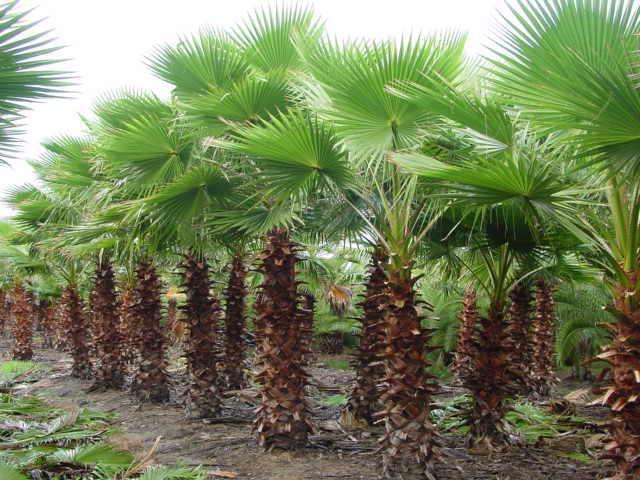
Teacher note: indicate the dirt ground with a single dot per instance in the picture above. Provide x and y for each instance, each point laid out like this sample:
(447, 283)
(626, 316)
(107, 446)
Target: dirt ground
(229, 444)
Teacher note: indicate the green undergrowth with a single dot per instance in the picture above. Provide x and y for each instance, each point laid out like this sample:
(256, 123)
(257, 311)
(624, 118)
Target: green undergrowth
(334, 400)
(12, 369)
(38, 440)
(530, 421)
(337, 364)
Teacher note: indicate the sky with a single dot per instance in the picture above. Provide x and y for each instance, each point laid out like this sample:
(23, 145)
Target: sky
(107, 41)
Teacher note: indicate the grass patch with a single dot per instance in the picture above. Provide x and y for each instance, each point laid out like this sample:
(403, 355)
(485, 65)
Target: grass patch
(334, 401)
(337, 364)
(578, 456)
(14, 368)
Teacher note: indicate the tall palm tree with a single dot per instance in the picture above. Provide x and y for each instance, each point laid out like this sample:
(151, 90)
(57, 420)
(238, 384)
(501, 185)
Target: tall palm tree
(348, 86)
(570, 67)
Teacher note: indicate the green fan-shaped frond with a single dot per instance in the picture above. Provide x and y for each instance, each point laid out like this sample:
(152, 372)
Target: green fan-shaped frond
(569, 64)
(296, 152)
(25, 72)
(268, 37)
(355, 78)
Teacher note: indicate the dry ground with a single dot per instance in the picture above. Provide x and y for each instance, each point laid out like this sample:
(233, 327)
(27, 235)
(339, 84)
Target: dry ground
(230, 446)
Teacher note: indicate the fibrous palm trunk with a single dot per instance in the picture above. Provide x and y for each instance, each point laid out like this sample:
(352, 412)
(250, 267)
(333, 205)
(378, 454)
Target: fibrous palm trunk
(203, 396)
(4, 310)
(305, 322)
(128, 328)
(463, 365)
(519, 323)
(49, 325)
(234, 348)
(61, 341)
(150, 380)
(76, 320)
(491, 382)
(110, 372)
(365, 397)
(23, 324)
(410, 442)
(281, 420)
(623, 396)
(542, 360)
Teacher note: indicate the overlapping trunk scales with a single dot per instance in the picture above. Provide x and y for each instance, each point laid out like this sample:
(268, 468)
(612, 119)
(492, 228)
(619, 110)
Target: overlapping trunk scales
(110, 369)
(518, 328)
(150, 380)
(542, 360)
(128, 328)
(4, 310)
(492, 381)
(23, 324)
(623, 396)
(305, 322)
(365, 397)
(75, 318)
(202, 395)
(410, 442)
(281, 420)
(234, 348)
(48, 324)
(463, 365)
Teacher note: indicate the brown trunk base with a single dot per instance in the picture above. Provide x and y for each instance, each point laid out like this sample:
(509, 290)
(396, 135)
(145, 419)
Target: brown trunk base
(365, 397)
(281, 419)
(410, 443)
(23, 326)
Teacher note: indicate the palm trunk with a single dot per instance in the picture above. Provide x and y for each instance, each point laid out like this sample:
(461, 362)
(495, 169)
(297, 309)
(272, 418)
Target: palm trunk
(49, 325)
(4, 311)
(111, 366)
(543, 340)
(150, 381)
(623, 397)
(23, 324)
(75, 318)
(128, 328)
(234, 349)
(305, 321)
(62, 342)
(410, 439)
(365, 397)
(463, 365)
(281, 420)
(203, 396)
(492, 381)
(519, 324)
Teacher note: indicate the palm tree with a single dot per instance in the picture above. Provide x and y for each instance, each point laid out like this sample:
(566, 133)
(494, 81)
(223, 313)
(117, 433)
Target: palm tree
(203, 397)
(26, 72)
(349, 87)
(23, 326)
(467, 337)
(364, 400)
(569, 66)
(235, 318)
(110, 368)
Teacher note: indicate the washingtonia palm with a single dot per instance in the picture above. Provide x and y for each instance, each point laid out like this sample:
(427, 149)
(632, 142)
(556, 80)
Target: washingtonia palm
(570, 67)
(349, 88)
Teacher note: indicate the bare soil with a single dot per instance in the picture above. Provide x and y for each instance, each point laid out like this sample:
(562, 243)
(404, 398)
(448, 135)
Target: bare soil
(228, 444)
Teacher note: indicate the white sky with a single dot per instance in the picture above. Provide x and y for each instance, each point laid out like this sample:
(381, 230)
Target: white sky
(107, 41)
